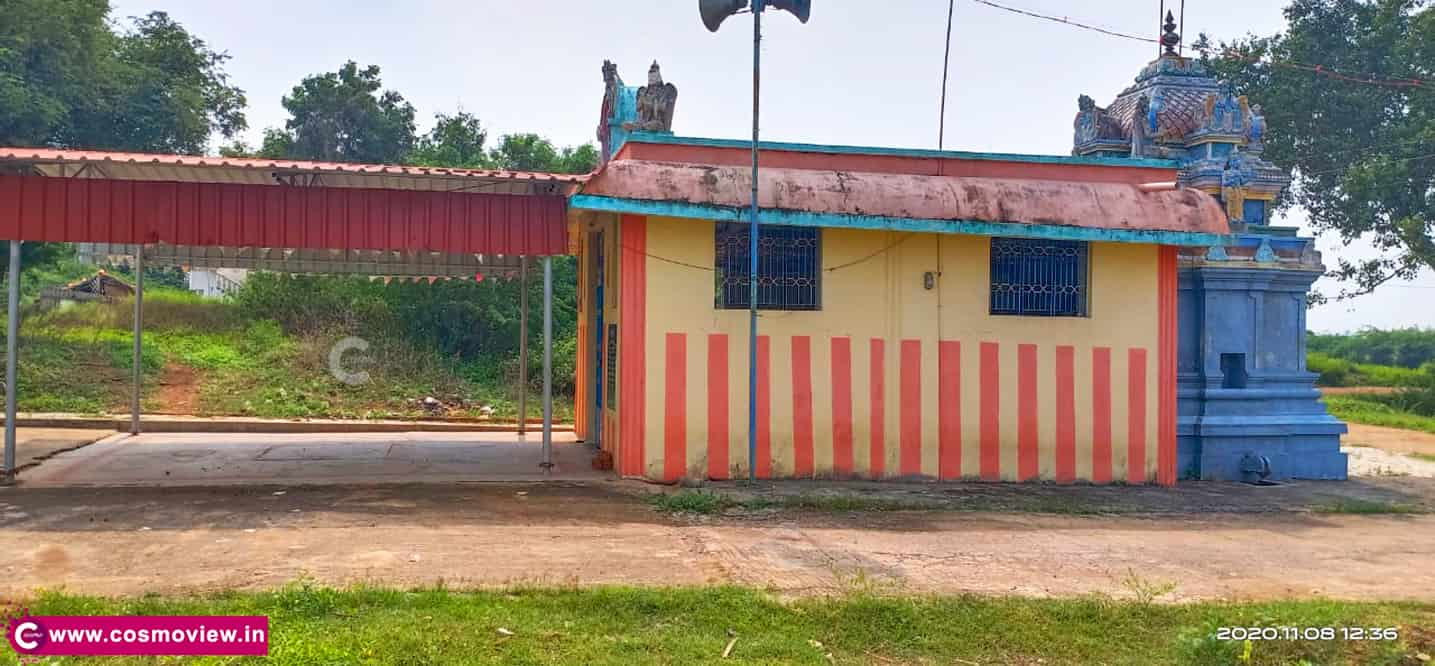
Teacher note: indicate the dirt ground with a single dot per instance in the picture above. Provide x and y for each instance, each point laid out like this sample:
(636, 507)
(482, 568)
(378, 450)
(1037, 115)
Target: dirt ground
(131, 541)
(1394, 440)
(178, 391)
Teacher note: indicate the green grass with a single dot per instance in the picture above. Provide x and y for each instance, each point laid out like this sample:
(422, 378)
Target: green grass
(1335, 371)
(79, 359)
(1427, 457)
(1366, 507)
(1371, 411)
(708, 502)
(615, 625)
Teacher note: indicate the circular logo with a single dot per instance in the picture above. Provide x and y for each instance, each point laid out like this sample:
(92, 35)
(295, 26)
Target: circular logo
(26, 635)
(336, 361)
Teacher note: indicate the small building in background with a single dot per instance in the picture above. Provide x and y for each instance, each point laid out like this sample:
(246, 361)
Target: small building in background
(98, 287)
(215, 282)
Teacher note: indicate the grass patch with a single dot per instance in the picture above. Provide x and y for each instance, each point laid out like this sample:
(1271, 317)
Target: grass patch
(1427, 457)
(1364, 409)
(707, 502)
(692, 501)
(1366, 507)
(617, 625)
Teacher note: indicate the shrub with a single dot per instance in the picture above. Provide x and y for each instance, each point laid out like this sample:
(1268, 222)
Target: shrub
(1406, 347)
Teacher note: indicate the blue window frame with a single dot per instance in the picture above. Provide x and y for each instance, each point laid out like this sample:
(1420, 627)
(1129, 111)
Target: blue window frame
(789, 267)
(1039, 278)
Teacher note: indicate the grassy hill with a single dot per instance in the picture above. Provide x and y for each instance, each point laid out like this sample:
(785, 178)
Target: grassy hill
(265, 350)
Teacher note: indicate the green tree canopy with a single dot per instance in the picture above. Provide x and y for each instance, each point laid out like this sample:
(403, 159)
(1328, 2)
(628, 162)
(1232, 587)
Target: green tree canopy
(344, 116)
(459, 140)
(1363, 151)
(531, 152)
(67, 79)
(455, 141)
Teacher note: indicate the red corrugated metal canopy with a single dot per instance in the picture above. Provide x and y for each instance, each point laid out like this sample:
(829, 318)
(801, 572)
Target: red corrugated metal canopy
(68, 196)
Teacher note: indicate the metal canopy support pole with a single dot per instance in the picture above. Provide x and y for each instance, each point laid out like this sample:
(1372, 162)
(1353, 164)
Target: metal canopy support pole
(12, 351)
(752, 250)
(547, 363)
(139, 349)
(523, 345)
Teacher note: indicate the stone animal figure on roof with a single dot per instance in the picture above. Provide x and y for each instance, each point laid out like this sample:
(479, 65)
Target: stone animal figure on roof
(655, 104)
(1093, 123)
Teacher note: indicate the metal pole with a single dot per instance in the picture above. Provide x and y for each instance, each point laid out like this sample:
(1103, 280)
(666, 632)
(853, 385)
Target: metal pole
(523, 345)
(12, 356)
(1160, 26)
(547, 362)
(139, 346)
(757, 7)
(946, 60)
(1181, 50)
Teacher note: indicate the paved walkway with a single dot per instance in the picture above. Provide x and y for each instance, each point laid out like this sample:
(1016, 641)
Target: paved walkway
(179, 423)
(33, 445)
(177, 459)
(131, 541)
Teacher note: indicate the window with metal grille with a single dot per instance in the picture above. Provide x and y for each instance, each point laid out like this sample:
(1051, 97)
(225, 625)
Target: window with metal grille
(1039, 278)
(611, 394)
(789, 272)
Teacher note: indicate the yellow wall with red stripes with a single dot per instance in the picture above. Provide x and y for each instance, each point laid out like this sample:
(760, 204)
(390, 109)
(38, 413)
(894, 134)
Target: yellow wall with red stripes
(923, 383)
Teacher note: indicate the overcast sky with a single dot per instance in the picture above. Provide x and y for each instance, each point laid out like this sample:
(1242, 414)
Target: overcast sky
(859, 73)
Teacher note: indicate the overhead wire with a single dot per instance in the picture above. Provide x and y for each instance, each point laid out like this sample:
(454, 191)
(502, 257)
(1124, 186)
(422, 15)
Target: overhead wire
(1319, 69)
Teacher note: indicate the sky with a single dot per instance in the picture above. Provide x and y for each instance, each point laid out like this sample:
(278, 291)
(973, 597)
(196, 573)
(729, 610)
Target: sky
(858, 73)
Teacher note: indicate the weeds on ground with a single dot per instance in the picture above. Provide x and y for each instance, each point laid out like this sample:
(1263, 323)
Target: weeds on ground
(1145, 591)
(1361, 506)
(708, 502)
(703, 502)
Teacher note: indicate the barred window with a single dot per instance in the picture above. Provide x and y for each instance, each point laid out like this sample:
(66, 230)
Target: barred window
(788, 267)
(1039, 278)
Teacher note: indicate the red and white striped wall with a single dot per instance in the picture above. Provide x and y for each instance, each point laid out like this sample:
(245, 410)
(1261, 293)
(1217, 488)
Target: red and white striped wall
(954, 394)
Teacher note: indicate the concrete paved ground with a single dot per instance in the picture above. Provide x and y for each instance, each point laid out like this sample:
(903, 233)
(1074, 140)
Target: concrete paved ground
(33, 445)
(174, 459)
(132, 541)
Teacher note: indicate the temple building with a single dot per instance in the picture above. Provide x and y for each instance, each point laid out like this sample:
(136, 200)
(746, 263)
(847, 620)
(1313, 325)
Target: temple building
(1248, 407)
(1124, 314)
(924, 314)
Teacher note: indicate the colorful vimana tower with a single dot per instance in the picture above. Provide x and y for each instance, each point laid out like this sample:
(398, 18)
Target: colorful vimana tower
(1248, 408)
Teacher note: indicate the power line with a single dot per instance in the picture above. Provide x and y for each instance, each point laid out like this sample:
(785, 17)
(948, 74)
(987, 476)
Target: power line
(946, 60)
(1322, 70)
(1346, 168)
(1361, 149)
(1069, 22)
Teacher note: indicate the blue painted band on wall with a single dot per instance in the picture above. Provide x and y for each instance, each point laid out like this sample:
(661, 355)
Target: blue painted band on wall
(883, 223)
(651, 137)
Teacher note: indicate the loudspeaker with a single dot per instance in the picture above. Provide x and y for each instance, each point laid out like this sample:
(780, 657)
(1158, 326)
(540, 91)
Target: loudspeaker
(716, 11)
(802, 9)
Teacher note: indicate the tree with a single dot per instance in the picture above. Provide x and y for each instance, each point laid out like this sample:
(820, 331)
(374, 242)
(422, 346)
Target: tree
(344, 116)
(163, 90)
(1361, 149)
(455, 141)
(530, 152)
(50, 52)
(68, 80)
(458, 141)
